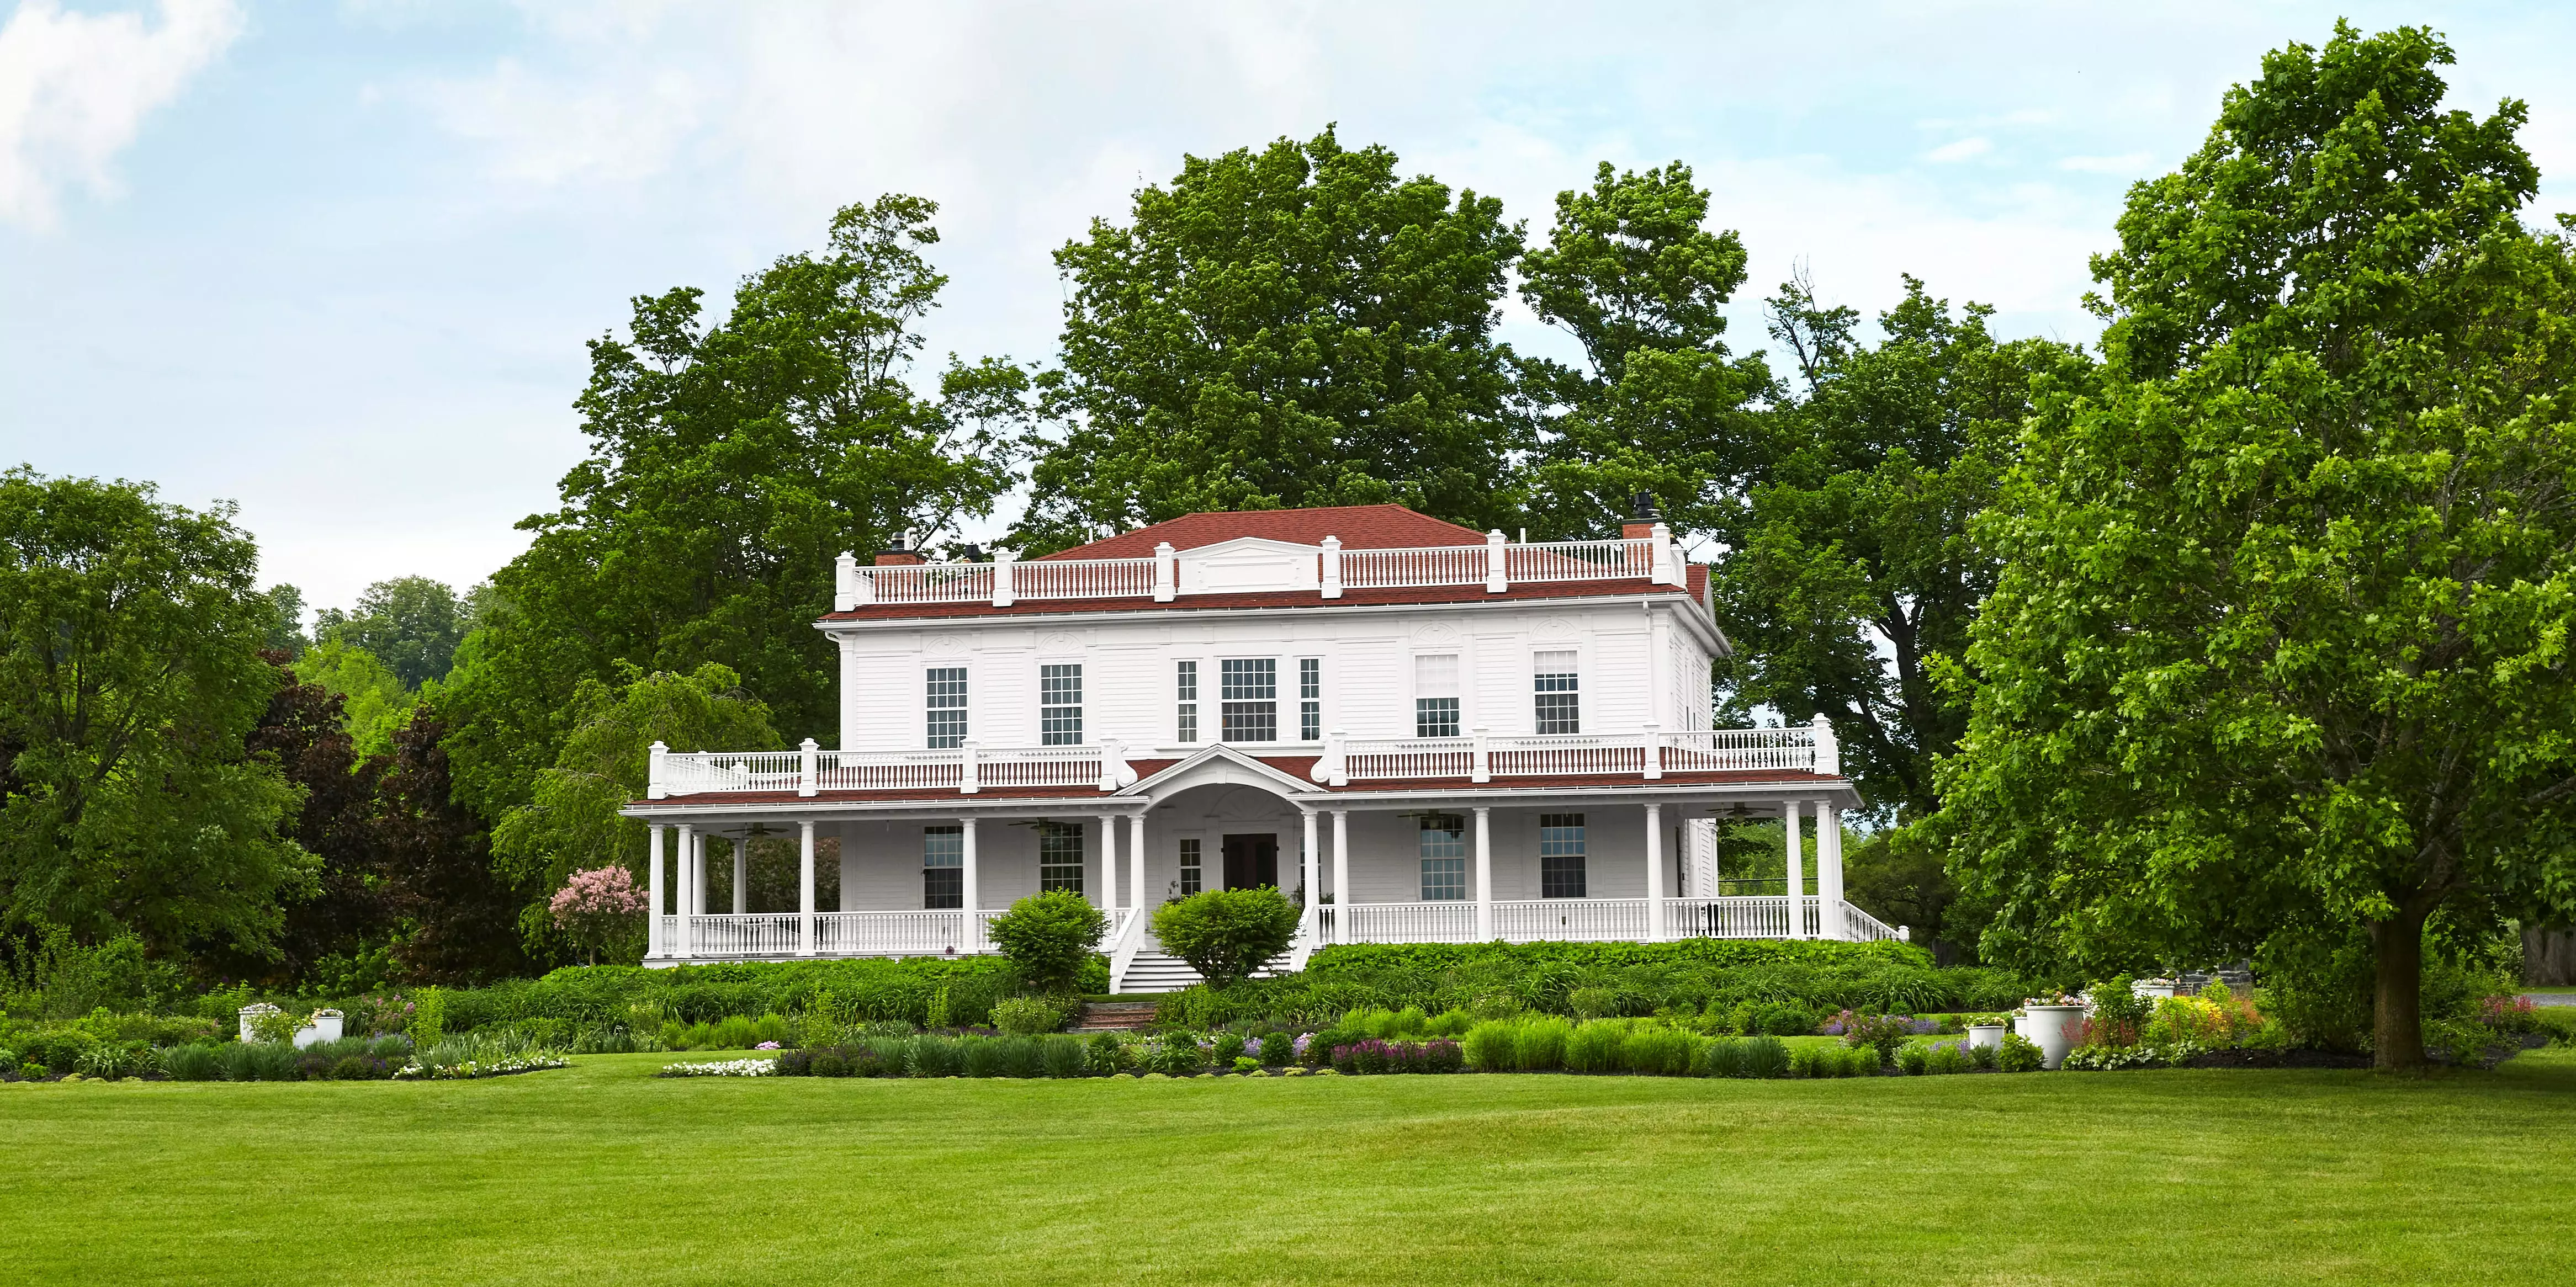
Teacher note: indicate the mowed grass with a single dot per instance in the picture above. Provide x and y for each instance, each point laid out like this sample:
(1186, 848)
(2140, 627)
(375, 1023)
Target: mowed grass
(602, 1175)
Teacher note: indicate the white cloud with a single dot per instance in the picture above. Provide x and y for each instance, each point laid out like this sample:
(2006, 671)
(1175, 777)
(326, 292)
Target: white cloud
(2136, 163)
(1962, 150)
(74, 90)
(545, 131)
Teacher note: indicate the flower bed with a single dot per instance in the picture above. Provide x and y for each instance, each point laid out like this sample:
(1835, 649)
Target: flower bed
(722, 1068)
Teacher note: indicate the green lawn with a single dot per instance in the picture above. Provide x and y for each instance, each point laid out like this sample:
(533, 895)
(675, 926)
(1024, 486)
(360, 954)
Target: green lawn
(600, 1175)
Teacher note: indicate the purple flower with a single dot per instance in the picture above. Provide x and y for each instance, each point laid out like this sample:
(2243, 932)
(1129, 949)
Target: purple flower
(766, 1045)
(1252, 1046)
(1303, 1040)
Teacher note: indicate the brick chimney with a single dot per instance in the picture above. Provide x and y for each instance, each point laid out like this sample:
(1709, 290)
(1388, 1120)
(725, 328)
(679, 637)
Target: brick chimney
(898, 558)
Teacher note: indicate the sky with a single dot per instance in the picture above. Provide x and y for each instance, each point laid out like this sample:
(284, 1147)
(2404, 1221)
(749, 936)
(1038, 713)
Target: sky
(337, 263)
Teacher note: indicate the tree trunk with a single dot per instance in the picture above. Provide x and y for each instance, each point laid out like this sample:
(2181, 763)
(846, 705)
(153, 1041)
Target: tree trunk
(2548, 956)
(2397, 1009)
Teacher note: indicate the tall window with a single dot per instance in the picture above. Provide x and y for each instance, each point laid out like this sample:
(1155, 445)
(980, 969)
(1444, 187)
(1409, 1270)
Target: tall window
(1435, 695)
(1188, 691)
(1250, 698)
(1560, 704)
(1060, 857)
(1060, 705)
(1560, 855)
(943, 868)
(1444, 857)
(1310, 699)
(1193, 875)
(947, 705)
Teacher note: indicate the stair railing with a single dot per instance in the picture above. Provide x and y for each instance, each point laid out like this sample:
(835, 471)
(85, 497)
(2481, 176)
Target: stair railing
(1123, 947)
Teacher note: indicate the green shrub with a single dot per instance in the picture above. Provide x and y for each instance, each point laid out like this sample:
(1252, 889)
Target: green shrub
(1226, 934)
(1763, 1056)
(1982, 1058)
(1947, 1057)
(735, 1033)
(259, 1061)
(1489, 1047)
(1911, 1060)
(192, 1063)
(1594, 1047)
(1022, 1056)
(771, 1027)
(1593, 1003)
(933, 1056)
(979, 1057)
(1656, 1050)
(1064, 1056)
(60, 1049)
(1105, 1054)
(2018, 1054)
(428, 1023)
(1539, 1044)
(1026, 1016)
(1050, 937)
(1449, 1023)
(1407, 1022)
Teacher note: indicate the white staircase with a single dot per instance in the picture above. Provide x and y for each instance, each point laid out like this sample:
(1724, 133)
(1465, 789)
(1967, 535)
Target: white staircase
(1153, 971)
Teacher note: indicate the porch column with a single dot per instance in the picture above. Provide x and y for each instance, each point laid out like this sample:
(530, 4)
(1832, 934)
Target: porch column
(1829, 872)
(966, 877)
(1341, 875)
(686, 906)
(653, 945)
(1109, 862)
(1310, 868)
(1136, 861)
(1654, 873)
(805, 888)
(1797, 858)
(741, 876)
(1484, 875)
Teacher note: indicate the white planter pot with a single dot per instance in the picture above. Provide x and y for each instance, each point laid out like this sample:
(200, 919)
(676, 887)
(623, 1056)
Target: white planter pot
(2054, 1029)
(1982, 1035)
(325, 1027)
(2153, 989)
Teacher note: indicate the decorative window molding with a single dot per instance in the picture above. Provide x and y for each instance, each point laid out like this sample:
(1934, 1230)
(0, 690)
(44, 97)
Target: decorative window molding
(1186, 689)
(1435, 695)
(1558, 693)
(1060, 704)
(1310, 699)
(1249, 698)
(944, 704)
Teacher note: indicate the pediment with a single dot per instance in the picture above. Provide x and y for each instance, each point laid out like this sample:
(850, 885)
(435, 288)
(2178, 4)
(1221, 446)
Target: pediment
(1219, 766)
(1249, 564)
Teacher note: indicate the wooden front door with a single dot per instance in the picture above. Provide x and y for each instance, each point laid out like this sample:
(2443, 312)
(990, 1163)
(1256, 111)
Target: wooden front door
(1251, 861)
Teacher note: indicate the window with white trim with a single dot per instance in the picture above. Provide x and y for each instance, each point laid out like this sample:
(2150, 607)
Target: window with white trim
(943, 868)
(945, 702)
(1060, 857)
(1560, 700)
(1060, 704)
(1560, 855)
(1249, 697)
(1193, 875)
(1435, 695)
(1186, 687)
(1444, 858)
(1310, 699)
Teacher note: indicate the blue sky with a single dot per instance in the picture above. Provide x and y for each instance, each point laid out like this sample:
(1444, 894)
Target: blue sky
(337, 263)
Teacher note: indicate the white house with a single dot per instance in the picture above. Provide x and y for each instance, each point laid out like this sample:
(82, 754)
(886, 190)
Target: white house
(1418, 732)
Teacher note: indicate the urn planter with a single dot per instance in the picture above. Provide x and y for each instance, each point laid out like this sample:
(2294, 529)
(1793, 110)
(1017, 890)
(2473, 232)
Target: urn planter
(2054, 1029)
(1982, 1035)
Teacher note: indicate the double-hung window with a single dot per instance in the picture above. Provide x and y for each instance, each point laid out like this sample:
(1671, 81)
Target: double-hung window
(1310, 699)
(1193, 874)
(1560, 855)
(946, 704)
(1186, 688)
(1560, 700)
(1444, 858)
(1435, 695)
(1060, 857)
(1060, 704)
(1250, 698)
(943, 868)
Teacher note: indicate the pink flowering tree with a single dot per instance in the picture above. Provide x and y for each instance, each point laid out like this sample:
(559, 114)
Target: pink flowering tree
(599, 909)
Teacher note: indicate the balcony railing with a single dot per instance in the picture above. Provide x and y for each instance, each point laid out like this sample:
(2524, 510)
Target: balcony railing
(972, 768)
(1497, 565)
(1806, 748)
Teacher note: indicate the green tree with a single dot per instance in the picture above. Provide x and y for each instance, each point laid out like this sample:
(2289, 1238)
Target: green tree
(1852, 573)
(729, 466)
(412, 624)
(373, 700)
(286, 621)
(571, 822)
(1660, 406)
(2278, 657)
(1293, 326)
(1050, 936)
(459, 914)
(130, 676)
(1226, 934)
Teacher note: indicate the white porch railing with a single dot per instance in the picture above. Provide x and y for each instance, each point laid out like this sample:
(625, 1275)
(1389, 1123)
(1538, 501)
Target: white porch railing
(1591, 920)
(966, 770)
(1496, 564)
(1649, 754)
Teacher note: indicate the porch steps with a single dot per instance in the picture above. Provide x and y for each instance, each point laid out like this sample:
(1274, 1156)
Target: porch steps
(1163, 972)
(1115, 1016)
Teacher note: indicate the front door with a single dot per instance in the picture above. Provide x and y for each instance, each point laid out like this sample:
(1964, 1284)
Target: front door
(1251, 861)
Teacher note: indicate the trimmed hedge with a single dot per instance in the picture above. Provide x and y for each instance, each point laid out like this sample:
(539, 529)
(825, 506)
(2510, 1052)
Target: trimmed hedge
(1604, 980)
(878, 988)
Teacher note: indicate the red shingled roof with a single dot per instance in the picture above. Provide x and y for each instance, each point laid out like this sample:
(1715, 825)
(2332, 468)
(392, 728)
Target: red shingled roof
(1361, 527)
